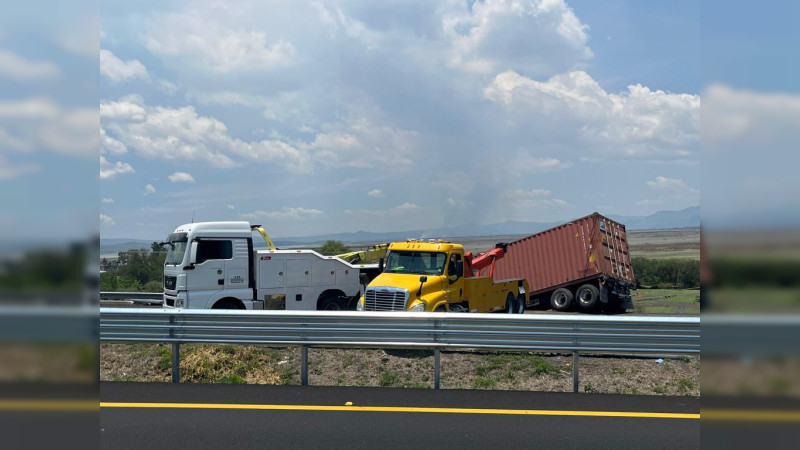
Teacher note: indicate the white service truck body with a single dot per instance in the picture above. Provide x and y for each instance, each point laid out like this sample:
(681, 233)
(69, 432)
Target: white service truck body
(214, 265)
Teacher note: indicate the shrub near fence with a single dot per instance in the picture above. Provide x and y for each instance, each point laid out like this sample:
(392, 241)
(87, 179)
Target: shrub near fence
(666, 273)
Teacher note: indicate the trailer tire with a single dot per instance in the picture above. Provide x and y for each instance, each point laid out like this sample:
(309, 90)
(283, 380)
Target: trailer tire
(332, 303)
(511, 304)
(561, 299)
(588, 297)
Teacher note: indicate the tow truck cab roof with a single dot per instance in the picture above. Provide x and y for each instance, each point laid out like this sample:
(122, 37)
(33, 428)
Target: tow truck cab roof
(421, 246)
(218, 229)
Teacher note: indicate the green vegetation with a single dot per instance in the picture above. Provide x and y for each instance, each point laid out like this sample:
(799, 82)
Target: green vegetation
(331, 248)
(47, 269)
(685, 386)
(136, 271)
(389, 379)
(666, 273)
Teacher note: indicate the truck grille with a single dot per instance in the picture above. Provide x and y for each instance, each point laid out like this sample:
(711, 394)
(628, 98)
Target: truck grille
(169, 282)
(385, 299)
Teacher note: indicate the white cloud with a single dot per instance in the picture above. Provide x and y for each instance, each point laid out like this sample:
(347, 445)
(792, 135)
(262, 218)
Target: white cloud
(540, 37)
(531, 164)
(286, 213)
(117, 70)
(181, 135)
(181, 177)
(149, 189)
(375, 193)
(10, 171)
(109, 170)
(40, 123)
(106, 220)
(110, 145)
(107, 200)
(130, 108)
(16, 68)
(639, 123)
(199, 39)
(80, 35)
(667, 184)
(361, 143)
(401, 209)
(231, 207)
(672, 193)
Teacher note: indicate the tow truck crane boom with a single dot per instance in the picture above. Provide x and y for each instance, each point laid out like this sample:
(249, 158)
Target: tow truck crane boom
(476, 263)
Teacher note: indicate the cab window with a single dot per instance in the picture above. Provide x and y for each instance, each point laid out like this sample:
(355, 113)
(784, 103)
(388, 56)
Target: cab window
(208, 250)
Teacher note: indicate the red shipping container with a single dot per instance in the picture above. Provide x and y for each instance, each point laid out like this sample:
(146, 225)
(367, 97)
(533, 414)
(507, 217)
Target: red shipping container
(587, 248)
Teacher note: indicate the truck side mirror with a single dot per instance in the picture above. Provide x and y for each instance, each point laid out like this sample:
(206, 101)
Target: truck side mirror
(193, 253)
(380, 265)
(422, 281)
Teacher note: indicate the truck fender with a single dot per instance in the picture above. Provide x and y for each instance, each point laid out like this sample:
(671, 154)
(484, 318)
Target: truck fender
(441, 303)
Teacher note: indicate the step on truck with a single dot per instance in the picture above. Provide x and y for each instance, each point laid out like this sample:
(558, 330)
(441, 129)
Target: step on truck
(213, 265)
(440, 276)
(581, 265)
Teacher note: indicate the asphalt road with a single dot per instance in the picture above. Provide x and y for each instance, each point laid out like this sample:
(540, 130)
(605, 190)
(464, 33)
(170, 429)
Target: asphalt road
(134, 415)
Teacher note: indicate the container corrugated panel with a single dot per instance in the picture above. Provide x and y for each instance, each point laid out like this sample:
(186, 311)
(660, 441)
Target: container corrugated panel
(585, 248)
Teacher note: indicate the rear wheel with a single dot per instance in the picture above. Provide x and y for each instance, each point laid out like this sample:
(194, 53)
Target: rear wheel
(440, 308)
(332, 303)
(561, 300)
(521, 304)
(511, 304)
(588, 297)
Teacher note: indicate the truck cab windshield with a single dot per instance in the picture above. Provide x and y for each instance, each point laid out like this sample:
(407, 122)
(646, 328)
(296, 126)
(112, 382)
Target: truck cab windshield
(423, 263)
(176, 248)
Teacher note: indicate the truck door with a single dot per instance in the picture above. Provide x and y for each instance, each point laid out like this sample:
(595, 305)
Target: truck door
(208, 276)
(455, 278)
(237, 268)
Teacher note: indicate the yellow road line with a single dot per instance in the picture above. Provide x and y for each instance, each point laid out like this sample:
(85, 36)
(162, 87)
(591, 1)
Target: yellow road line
(750, 415)
(411, 409)
(49, 405)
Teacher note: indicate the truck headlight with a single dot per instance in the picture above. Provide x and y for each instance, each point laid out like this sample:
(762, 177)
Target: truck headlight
(417, 308)
(360, 305)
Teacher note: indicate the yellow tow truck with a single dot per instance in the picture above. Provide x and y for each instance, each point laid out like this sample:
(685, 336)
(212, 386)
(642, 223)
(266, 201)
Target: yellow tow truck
(437, 275)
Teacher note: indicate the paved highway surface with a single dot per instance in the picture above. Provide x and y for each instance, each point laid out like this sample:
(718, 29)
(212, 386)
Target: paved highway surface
(172, 416)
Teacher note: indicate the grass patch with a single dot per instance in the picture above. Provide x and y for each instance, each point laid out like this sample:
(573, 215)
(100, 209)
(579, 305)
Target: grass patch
(389, 379)
(660, 389)
(685, 385)
(484, 383)
(588, 388)
(229, 364)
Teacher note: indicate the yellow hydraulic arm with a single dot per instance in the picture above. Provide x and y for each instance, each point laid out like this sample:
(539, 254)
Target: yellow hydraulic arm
(373, 253)
(264, 234)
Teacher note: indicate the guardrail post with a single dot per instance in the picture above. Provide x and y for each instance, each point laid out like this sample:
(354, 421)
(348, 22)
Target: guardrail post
(575, 379)
(436, 365)
(304, 365)
(176, 362)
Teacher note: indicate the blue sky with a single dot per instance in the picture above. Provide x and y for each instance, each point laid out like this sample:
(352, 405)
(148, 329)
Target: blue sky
(316, 117)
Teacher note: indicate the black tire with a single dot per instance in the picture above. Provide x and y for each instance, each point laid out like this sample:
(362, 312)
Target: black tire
(228, 304)
(440, 308)
(511, 304)
(588, 297)
(332, 303)
(561, 299)
(521, 304)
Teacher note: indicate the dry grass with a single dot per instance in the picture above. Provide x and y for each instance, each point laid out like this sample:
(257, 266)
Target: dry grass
(398, 368)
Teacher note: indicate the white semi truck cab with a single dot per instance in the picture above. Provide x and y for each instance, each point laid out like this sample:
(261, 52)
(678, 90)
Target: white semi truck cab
(213, 265)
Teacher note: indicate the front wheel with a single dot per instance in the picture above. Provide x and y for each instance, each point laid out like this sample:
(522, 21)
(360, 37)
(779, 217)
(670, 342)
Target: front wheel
(511, 304)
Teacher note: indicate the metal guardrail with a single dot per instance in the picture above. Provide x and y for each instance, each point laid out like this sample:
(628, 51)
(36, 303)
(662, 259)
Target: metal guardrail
(143, 297)
(437, 331)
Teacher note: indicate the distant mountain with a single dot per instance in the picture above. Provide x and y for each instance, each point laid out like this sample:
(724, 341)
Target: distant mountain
(685, 218)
